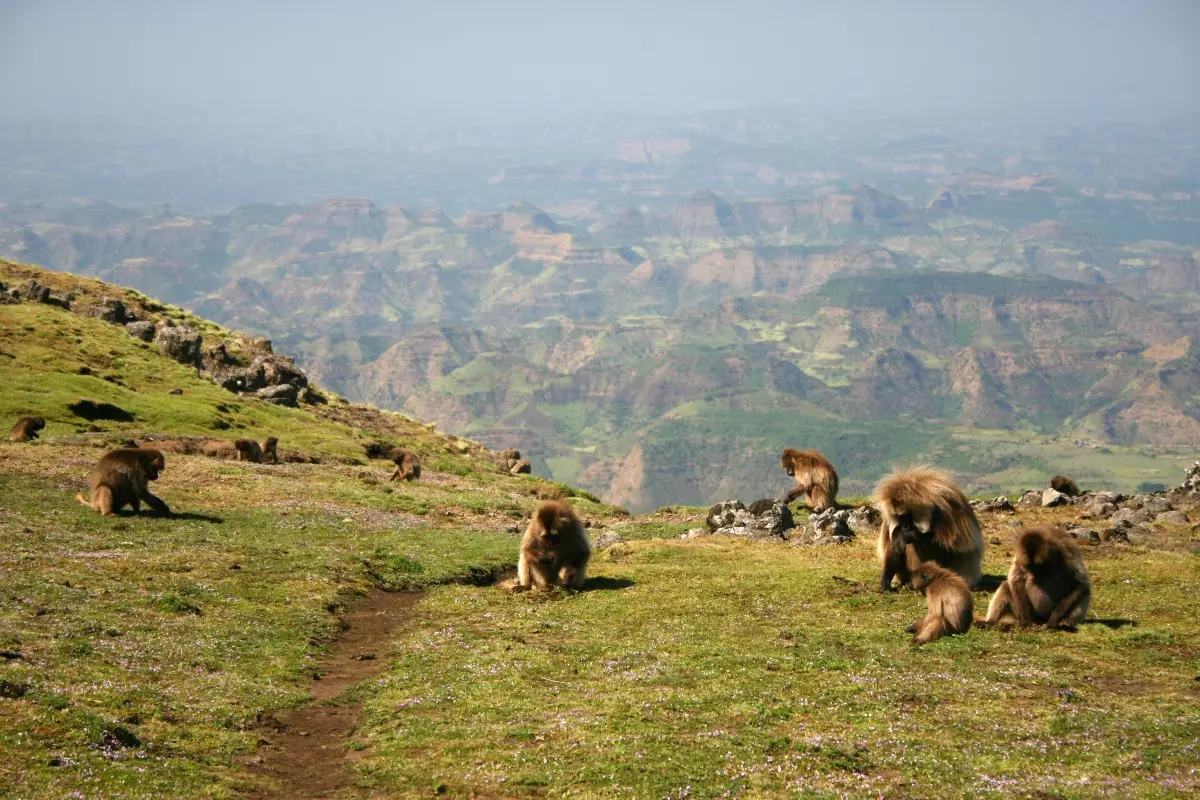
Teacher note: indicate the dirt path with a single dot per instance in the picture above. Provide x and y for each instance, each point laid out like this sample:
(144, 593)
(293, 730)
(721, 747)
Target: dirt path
(305, 755)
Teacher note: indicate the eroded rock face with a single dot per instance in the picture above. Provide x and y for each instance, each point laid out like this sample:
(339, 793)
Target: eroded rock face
(731, 517)
(180, 343)
(831, 526)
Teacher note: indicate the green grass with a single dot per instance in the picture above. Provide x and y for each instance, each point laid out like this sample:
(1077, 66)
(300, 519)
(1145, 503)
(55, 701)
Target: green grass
(729, 668)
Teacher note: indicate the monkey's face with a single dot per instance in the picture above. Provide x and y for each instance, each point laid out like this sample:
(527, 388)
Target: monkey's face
(154, 463)
(910, 522)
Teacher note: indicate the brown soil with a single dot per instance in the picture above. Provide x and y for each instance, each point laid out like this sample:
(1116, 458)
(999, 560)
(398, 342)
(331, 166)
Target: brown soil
(305, 755)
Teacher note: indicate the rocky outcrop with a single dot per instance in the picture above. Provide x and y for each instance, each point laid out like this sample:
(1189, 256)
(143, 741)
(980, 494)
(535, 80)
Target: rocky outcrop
(831, 526)
(143, 329)
(179, 342)
(998, 505)
(765, 519)
(110, 309)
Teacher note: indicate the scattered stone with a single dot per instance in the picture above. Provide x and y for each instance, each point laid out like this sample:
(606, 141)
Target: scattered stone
(1031, 499)
(176, 390)
(773, 520)
(110, 309)
(1171, 518)
(1130, 516)
(1053, 497)
(865, 519)
(282, 395)
(1085, 535)
(723, 515)
(606, 539)
(180, 343)
(1114, 535)
(1097, 507)
(831, 526)
(997, 505)
(1156, 505)
(142, 329)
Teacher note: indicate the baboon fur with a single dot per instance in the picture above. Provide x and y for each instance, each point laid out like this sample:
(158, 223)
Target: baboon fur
(814, 475)
(26, 429)
(1047, 583)
(924, 507)
(122, 478)
(948, 603)
(555, 550)
(248, 450)
(408, 465)
(269, 452)
(1061, 483)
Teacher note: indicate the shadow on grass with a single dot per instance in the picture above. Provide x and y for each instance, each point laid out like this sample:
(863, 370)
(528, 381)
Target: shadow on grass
(1110, 623)
(990, 583)
(194, 517)
(602, 584)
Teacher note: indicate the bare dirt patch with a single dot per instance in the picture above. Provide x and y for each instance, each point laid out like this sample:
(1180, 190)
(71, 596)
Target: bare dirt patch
(305, 754)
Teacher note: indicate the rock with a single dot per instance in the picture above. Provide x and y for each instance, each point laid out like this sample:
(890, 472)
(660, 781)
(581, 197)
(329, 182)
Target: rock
(831, 526)
(1191, 478)
(606, 539)
(1031, 499)
(1108, 497)
(522, 467)
(217, 358)
(141, 330)
(1130, 516)
(284, 395)
(1114, 535)
(865, 519)
(760, 506)
(34, 292)
(1156, 505)
(176, 390)
(110, 309)
(1171, 518)
(1097, 507)
(180, 343)
(1085, 535)
(310, 396)
(280, 370)
(1053, 497)
(722, 515)
(996, 505)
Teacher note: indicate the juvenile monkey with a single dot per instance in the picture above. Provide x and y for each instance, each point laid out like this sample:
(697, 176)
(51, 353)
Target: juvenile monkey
(1047, 583)
(924, 508)
(26, 429)
(1061, 483)
(948, 601)
(269, 452)
(555, 550)
(814, 475)
(408, 466)
(122, 478)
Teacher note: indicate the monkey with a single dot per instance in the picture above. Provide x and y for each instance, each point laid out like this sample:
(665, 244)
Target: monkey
(1061, 483)
(521, 467)
(408, 465)
(923, 507)
(1047, 583)
(269, 450)
(122, 477)
(26, 429)
(815, 477)
(555, 549)
(948, 600)
(248, 450)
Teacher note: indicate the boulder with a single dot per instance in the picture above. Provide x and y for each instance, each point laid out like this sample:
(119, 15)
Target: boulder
(1115, 535)
(772, 520)
(1053, 497)
(284, 395)
(34, 292)
(217, 358)
(280, 370)
(1086, 535)
(1171, 518)
(1156, 504)
(1096, 507)
(110, 309)
(141, 330)
(865, 519)
(606, 539)
(723, 515)
(1131, 516)
(999, 504)
(1031, 499)
(180, 343)
(831, 526)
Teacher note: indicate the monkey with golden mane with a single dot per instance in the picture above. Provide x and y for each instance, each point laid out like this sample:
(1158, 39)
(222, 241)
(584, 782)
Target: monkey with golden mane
(269, 450)
(1061, 483)
(26, 429)
(1047, 583)
(923, 507)
(122, 478)
(814, 475)
(408, 465)
(248, 450)
(948, 600)
(555, 549)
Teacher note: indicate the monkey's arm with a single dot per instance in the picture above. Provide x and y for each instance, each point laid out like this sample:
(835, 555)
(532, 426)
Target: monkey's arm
(395, 475)
(155, 503)
(1020, 600)
(1066, 607)
(799, 490)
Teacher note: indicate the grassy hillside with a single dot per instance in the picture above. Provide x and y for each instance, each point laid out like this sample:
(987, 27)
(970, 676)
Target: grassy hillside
(244, 646)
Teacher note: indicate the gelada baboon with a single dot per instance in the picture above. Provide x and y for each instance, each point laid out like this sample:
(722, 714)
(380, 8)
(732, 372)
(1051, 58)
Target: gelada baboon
(1061, 483)
(248, 450)
(1047, 583)
(270, 453)
(814, 475)
(948, 601)
(122, 478)
(408, 466)
(26, 429)
(923, 507)
(555, 549)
